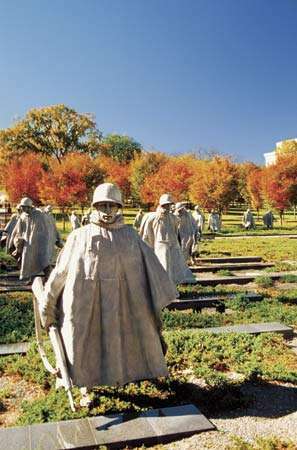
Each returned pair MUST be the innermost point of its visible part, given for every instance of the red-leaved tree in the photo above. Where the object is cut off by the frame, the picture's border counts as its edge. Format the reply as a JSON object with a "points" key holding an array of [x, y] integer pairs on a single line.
{"points": [[173, 176], [21, 178]]}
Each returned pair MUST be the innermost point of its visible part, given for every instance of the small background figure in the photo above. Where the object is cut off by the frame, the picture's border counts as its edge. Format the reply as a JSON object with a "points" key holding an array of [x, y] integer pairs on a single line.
{"points": [[187, 230], [199, 219], [74, 220], [8, 230], [86, 217], [268, 219], [248, 220], [214, 222], [138, 219]]}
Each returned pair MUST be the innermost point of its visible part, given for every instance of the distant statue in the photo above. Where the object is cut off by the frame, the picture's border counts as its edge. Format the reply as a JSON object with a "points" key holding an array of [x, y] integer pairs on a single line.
{"points": [[106, 294], [30, 238], [54, 238], [268, 219], [214, 222], [188, 234], [86, 217], [138, 219], [199, 219], [74, 220], [8, 230], [159, 230], [248, 220]]}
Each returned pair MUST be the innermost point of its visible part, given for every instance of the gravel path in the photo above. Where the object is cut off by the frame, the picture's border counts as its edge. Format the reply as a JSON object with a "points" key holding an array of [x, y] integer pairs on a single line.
{"points": [[272, 412]]}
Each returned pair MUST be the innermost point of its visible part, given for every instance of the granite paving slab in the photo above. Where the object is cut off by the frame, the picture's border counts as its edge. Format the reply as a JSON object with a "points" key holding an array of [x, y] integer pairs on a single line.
{"points": [[254, 328], [230, 259], [230, 266], [242, 279], [114, 431], [9, 349], [17, 438]]}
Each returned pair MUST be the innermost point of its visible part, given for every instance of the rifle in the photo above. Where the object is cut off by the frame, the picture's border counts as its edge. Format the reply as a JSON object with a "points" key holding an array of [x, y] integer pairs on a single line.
{"points": [[61, 370]]}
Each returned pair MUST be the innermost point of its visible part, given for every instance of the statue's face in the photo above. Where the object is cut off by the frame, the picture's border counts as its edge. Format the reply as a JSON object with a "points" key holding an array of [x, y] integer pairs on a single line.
{"points": [[167, 206], [107, 211], [26, 209]]}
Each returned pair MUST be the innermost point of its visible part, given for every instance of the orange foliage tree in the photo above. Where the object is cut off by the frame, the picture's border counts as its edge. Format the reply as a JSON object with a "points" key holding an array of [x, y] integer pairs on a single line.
{"points": [[116, 172], [144, 165], [21, 178], [214, 183], [64, 184], [173, 176], [254, 188], [280, 183]]}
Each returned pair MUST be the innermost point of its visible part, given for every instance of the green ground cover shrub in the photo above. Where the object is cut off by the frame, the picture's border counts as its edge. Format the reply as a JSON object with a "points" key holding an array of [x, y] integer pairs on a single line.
{"points": [[264, 281], [224, 273], [206, 356], [288, 278], [287, 297], [242, 311], [17, 318]]}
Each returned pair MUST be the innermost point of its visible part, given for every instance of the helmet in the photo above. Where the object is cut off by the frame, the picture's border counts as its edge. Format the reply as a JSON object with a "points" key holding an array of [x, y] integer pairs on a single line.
{"points": [[180, 205], [107, 192], [166, 199], [26, 201]]}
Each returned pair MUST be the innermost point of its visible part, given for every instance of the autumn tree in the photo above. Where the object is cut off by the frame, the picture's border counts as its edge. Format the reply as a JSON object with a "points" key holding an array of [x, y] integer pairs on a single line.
{"points": [[144, 165], [254, 188], [65, 184], [173, 176], [214, 183], [244, 170], [121, 148], [116, 172], [280, 183], [22, 178], [52, 131]]}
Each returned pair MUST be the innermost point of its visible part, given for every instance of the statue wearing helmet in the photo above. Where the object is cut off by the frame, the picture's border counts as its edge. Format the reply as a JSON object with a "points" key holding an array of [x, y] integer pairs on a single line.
{"points": [[30, 238], [113, 289], [188, 233], [160, 231]]}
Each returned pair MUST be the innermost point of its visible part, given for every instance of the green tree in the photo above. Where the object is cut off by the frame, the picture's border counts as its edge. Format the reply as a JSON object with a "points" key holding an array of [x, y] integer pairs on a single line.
{"points": [[120, 148], [144, 165], [52, 131]]}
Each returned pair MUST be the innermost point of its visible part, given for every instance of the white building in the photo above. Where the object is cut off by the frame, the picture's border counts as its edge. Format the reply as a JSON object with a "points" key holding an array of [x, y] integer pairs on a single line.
{"points": [[270, 158]]}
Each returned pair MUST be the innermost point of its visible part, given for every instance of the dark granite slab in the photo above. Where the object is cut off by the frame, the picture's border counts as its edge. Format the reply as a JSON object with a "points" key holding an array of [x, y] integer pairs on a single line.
{"points": [[230, 259], [231, 266], [114, 431]]}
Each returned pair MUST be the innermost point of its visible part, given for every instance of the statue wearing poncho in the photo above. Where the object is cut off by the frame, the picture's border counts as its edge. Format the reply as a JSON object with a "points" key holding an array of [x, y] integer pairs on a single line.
{"points": [[160, 231], [107, 291]]}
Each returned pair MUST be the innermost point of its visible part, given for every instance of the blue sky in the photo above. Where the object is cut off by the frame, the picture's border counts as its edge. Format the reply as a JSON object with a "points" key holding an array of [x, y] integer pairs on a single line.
{"points": [[177, 75]]}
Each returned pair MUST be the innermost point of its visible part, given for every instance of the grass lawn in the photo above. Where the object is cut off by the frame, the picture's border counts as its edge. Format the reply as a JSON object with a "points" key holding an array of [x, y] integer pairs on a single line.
{"points": [[274, 249]]}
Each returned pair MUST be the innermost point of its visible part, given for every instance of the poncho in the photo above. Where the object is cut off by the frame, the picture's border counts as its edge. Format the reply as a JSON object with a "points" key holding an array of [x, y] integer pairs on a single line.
{"points": [[160, 231], [107, 290], [187, 232], [31, 238]]}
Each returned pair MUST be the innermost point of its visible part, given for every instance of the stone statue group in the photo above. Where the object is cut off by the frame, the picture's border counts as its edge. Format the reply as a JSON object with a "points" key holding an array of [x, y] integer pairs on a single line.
{"points": [[248, 221], [109, 284]]}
